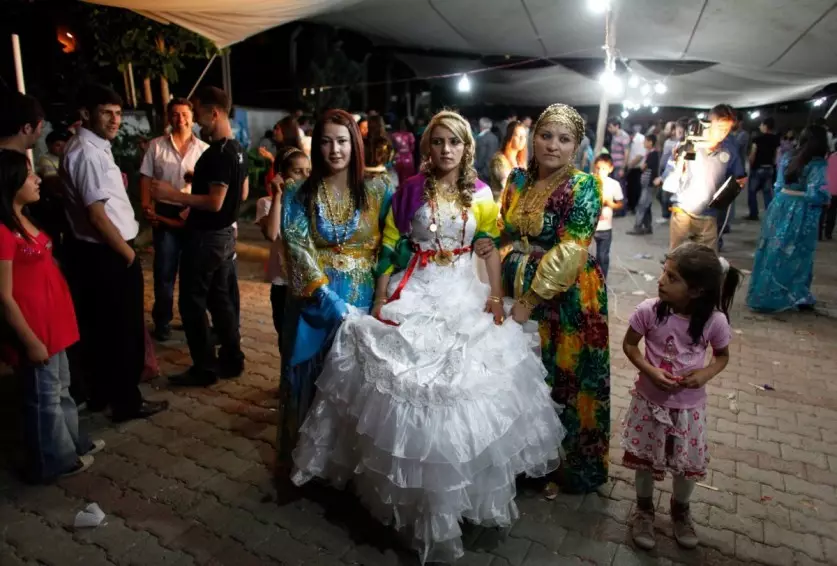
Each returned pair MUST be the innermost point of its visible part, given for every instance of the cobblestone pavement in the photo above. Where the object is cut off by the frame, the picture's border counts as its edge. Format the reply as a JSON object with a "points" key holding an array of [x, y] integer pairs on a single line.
{"points": [[194, 486]]}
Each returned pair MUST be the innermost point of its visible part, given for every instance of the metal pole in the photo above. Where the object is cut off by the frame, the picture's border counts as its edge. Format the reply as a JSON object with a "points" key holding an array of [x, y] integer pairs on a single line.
{"points": [[226, 74], [601, 123], [200, 78], [831, 109], [21, 83]]}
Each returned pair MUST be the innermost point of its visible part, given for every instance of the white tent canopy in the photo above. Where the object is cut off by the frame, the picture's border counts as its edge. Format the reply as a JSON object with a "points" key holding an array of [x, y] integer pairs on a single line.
{"points": [[755, 51]]}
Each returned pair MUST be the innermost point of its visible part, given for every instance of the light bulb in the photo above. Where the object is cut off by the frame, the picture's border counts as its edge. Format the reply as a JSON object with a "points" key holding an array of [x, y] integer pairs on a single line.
{"points": [[633, 82], [625, 113], [628, 103], [660, 88], [645, 89], [755, 114], [701, 116], [820, 101], [464, 84], [646, 102], [598, 6], [611, 83], [654, 110]]}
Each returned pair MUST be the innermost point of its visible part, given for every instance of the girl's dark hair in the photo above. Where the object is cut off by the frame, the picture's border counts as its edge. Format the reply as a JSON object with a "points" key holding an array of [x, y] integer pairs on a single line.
{"points": [[286, 158], [813, 143], [702, 270], [319, 167], [377, 136], [290, 132], [14, 169]]}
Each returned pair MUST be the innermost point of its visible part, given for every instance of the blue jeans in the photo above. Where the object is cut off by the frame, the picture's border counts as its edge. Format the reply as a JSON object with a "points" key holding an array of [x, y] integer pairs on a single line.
{"points": [[168, 244], [603, 240], [761, 179], [643, 210], [53, 441]]}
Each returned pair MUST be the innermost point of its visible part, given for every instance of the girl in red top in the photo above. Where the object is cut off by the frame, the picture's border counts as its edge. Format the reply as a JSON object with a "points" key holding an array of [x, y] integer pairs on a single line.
{"points": [[39, 313]]}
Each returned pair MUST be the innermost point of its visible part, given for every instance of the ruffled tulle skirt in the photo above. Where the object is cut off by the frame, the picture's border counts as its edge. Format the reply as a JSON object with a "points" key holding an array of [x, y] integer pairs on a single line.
{"points": [[431, 420]]}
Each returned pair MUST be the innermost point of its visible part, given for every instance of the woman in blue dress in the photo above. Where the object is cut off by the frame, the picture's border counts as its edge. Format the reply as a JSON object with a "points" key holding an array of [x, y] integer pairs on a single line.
{"points": [[784, 264], [331, 225]]}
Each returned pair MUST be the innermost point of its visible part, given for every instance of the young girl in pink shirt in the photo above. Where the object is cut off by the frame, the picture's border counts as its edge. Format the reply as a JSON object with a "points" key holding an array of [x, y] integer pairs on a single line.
{"points": [[665, 427]]}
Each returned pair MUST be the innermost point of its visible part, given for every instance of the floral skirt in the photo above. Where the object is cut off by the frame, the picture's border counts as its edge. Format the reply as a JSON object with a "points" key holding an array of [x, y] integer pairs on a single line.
{"points": [[657, 439]]}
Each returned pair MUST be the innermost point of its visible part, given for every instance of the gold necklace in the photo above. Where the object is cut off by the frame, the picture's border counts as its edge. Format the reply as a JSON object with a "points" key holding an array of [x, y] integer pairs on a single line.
{"points": [[530, 209], [338, 215]]}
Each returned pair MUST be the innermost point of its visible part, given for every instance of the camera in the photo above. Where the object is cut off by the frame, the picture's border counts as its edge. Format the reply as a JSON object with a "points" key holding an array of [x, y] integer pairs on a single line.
{"points": [[694, 135]]}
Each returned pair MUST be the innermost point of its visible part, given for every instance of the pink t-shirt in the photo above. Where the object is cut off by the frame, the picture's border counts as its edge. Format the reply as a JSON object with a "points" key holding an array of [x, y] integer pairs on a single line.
{"points": [[668, 346]]}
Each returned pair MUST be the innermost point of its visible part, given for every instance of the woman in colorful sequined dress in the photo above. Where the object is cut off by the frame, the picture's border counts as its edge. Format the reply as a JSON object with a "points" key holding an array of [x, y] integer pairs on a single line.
{"points": [[433, 406], [331, 225], [549, 216]]}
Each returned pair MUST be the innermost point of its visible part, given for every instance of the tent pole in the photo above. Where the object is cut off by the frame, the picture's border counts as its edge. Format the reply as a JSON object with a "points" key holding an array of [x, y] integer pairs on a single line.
{"points": [[21, 83], [226, 73], [831, 109], [601, 123], [200, 78]]}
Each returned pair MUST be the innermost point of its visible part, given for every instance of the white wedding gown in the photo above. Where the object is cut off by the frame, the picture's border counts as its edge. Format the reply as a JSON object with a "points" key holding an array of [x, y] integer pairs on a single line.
{"points": [[432, 420]]}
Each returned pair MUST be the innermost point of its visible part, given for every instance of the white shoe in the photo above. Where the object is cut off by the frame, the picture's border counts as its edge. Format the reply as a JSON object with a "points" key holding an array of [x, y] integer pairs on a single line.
{"points": [[661, 221], [84, 462], [97, 446]]}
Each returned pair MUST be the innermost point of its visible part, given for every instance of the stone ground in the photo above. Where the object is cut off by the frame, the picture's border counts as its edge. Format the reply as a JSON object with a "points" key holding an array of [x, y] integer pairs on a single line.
{"points": [[194, 485]]}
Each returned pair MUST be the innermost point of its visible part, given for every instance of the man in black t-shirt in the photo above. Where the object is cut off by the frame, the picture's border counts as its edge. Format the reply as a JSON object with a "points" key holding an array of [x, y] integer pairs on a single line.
{"points": [[218, 187], [762, 167]]}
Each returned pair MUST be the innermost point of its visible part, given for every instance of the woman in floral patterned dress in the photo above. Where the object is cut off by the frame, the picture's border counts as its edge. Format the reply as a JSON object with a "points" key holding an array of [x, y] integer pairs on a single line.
{"points": [[549, 215]]}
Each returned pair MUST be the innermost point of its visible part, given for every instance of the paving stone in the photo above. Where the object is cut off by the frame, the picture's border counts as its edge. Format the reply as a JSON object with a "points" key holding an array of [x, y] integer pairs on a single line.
{"points": [[719, 538], [114, 536], [801, 523], [797, 485], [366, 555], [807, 543], [550, 535], [627, 556], [749, 526], [617, 509], [767, 510], [586, 549], [830, 548], [805, 456], [511, 548], [748, 473], [746, 549]]}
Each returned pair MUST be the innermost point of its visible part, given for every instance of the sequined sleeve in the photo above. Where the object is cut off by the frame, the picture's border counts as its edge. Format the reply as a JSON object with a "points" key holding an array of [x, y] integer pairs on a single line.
{"points": [[560, 266], [305, 273], [486, 213]]}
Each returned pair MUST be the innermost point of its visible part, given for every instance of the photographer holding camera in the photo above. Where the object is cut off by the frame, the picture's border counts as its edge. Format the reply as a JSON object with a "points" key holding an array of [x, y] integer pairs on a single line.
{"points": [[704, 163]]}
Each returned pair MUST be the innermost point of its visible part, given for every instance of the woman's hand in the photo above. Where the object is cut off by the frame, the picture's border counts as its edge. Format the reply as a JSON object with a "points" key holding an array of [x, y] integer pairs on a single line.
{"points": [[495, 307], [37, 353], [520, 312], [663, 379], [484, 247], [277, 184]]}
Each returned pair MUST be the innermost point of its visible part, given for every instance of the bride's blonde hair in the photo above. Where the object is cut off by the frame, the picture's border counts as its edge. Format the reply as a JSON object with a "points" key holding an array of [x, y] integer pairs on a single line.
{"points": [[467, 179]]}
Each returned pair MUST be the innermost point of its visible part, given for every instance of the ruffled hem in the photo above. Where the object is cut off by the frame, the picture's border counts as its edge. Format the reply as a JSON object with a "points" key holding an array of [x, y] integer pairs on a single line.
{"points": [[423, 469]]}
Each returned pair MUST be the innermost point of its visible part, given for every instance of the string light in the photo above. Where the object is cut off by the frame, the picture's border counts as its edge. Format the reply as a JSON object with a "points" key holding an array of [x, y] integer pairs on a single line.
{"points": [[598, 6], [646, 102], [611, 83], [820, 101], [754, 114], [625, 113], [633, 82], [660, 88], [645, 89], [701, 116], [654, 110], [464, 84]]}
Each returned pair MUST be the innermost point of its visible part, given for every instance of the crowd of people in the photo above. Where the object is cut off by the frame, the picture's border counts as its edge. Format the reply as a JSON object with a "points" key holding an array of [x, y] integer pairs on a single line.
{"points": [[439, 335]]}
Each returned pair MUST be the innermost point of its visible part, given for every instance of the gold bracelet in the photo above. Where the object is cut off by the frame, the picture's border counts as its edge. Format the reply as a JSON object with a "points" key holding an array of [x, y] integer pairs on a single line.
{"points": [[493, 299], [529, 299]]}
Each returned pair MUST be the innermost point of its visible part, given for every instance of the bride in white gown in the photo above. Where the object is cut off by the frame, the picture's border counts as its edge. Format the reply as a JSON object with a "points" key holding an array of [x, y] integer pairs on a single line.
{"points": [[433, 406]]}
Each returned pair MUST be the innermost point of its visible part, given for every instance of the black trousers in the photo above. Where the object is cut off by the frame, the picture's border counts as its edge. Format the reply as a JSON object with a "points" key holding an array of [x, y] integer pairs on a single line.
{"points": [[108, 298], [278, 296], [828, 218], [206, 269], [633, 188]]}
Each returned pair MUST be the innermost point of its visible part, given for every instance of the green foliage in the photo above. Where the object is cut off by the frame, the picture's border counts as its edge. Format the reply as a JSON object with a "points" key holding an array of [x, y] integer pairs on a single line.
{"points": [[331, 67], [154, 49]]}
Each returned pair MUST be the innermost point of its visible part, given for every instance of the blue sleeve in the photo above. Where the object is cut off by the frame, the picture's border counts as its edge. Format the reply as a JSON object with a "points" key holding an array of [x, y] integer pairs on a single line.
{"points": [[736, 166], [780, 173]]}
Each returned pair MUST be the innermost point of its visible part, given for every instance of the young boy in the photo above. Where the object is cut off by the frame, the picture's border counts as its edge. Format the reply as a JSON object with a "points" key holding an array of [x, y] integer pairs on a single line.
{"points": [[611, 200], [649, 182]]}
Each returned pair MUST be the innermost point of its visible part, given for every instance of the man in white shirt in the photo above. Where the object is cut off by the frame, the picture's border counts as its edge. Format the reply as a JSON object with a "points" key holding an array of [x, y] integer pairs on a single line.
{"points": [[636, 156], [172, 159], [104, 272]]}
